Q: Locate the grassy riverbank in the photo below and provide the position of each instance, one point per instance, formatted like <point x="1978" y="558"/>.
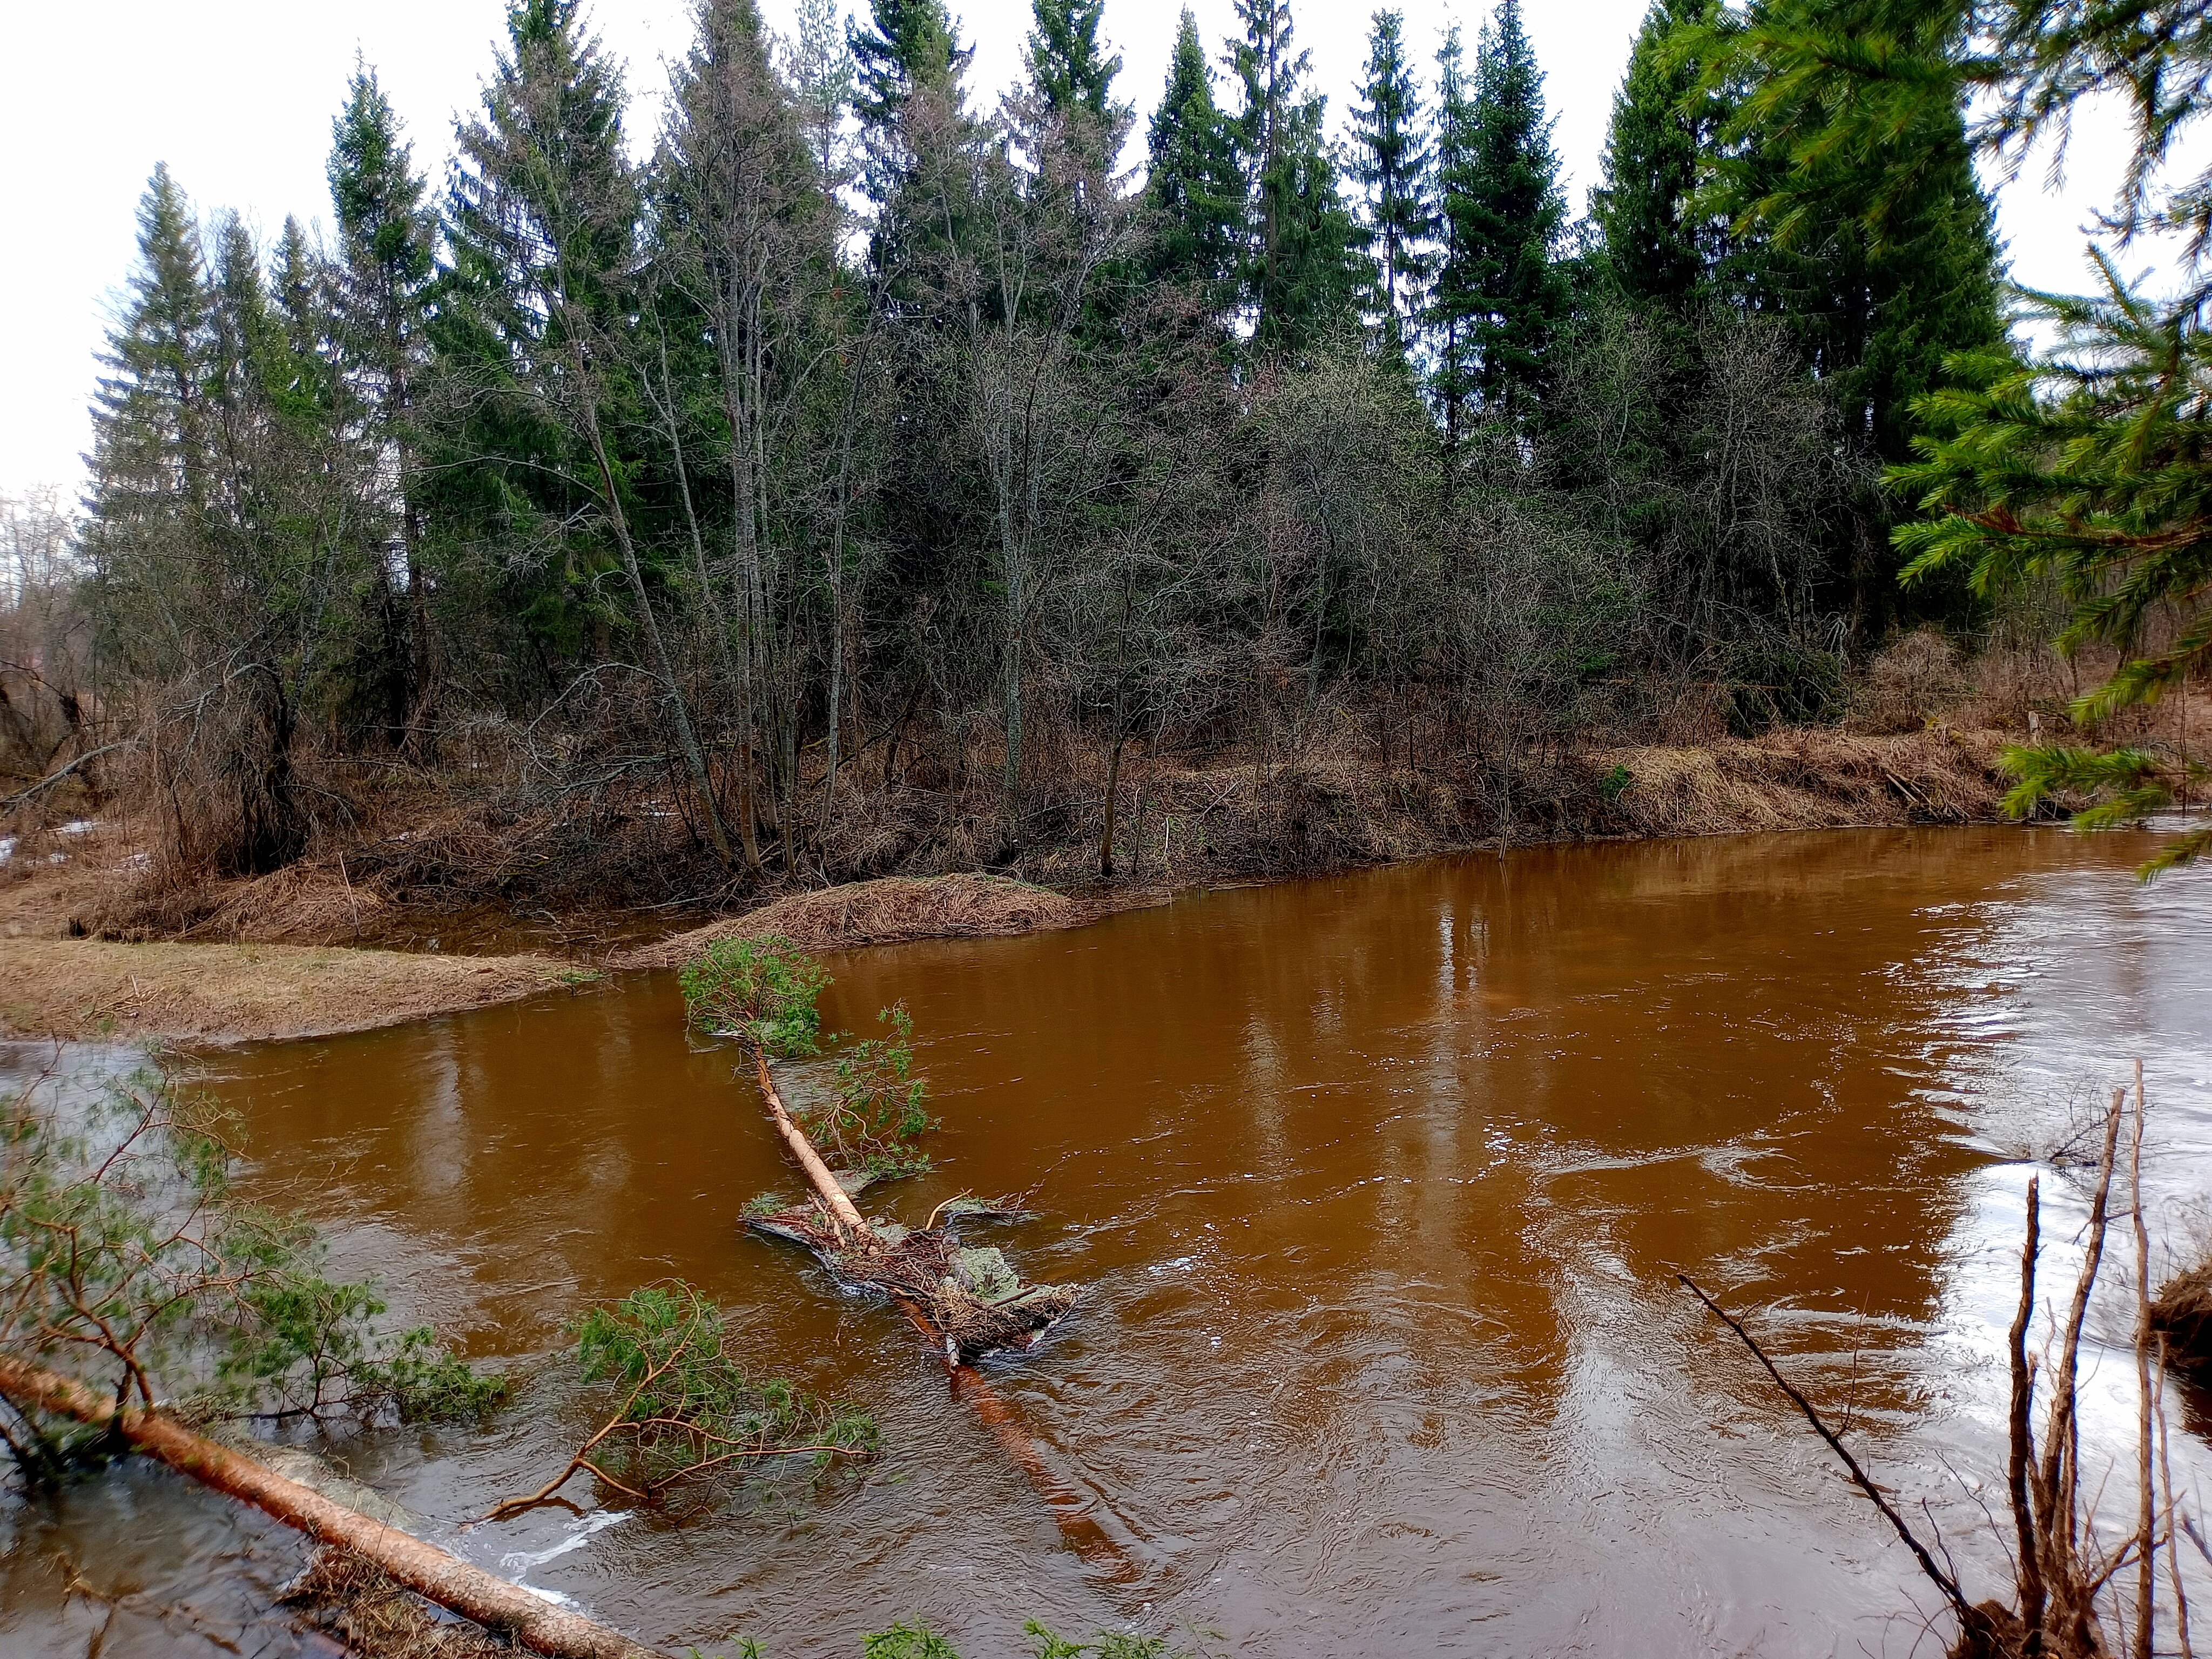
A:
<point x="92" y="943"/>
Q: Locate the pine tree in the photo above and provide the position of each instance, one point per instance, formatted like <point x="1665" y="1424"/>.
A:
<point x="1502" y="283"/>
<point x="1391" y="163"/>
<point x="1192" y="187"/>
<point x="387" y="241"/>
<point x="1660" y="242"/>
<point x="1299" y="274"/>
<point x="822" y="78"/>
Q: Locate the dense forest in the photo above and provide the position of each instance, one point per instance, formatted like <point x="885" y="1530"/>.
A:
<point x="862" y="480"/>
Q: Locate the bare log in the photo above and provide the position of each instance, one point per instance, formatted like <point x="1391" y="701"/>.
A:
<point x="834" y="1198"/>
<point x="530" y="1621"/>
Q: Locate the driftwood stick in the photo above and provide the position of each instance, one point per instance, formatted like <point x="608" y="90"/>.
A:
<point x="843" y="1211"/>
<point x="2020" y="1467"/>
<point x="1942" y="1580"/>
<point x="533" y="1623"/>
<point x="2147" y="1511"/>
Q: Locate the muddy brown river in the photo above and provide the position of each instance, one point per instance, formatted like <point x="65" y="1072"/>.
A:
<point x="1378" y="1185"/>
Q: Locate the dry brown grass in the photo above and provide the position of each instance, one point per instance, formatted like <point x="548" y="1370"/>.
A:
<point x="93" y="988"/>
<point x="1817" y="778"/>
<point x="880" y="912"/>
<point x="2182" y="1314"/>
<point x="354" y="1601"/>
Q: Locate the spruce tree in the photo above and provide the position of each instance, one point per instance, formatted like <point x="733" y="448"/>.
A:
<point x="1502" y="284"/>
<point x="149" y="417"/>
<point x="1660" y="242"/>
<point x="1391" y="161"/>
<point x="1876" y="239"/>
<point x="909" y="46"/>
<point x="387" y="239"/>
<point x="544" y="222"/>
<point x="1299" y="275"/>
<point x="1193" y="185"/>
<point x="1452" y="301"/>
<point x="1067" y="64"/>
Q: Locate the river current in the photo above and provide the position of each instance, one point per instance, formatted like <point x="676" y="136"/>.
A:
<point x="1377" y="1186"/>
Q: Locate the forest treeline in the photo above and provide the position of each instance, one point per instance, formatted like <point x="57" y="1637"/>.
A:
<point x="861" y="439"/>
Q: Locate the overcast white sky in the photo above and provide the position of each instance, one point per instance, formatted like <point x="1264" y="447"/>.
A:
<point x="237" y="96"/>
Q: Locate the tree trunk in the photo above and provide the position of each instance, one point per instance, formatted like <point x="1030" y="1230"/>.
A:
<point x="537" y="1624"/>
<point x="664" y="664"/>
<point x="1083" y="1534"/>
<point x="1112" y="800"/>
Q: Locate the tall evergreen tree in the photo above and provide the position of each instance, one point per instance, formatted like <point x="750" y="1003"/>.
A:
<point x="1391" y="160"/>
<point x="909" y="46"/>
<point x="747" y="253"/>
<point x="387" y="239"/>
<point x="543" y="216"/>
<point x="1193" y="185"/>
<point x="1502" y="283"/>
<point x="1299" y="275"/>
<point x="1067" y="64"/>
<point x="1660" y="242"/>
<point x="149" y="417"/>
<point x="1452" y="363"/>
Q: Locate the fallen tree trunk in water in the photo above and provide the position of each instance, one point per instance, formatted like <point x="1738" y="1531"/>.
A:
<point x="526" y="1618"/>
<point x="1085" y="1535"/>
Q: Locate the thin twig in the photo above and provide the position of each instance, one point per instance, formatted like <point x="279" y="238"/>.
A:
<point x="1941" y="1579"/>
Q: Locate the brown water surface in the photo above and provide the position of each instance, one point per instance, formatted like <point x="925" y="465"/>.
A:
<point x="1378" y="1184"/>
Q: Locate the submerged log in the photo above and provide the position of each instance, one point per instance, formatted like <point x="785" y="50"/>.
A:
<point x="525" y="1618"/>
<point x="1083" y="1535"/>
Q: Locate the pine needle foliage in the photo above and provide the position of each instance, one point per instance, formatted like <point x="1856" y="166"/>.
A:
<point x="762" y="990"/>
<point x="875" y="1113"/>
<point x="2092" y="463"/>
<point x="128" y="1263"/>
<point x="689" y="1408"/>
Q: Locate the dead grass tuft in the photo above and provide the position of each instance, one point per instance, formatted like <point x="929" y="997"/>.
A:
<point x="880" y="912"/>
<point x="2182" y="1312"/>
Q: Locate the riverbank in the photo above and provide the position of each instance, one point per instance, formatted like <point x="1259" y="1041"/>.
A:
<point x="98" y="990"/>
<point x="91" y="947"/>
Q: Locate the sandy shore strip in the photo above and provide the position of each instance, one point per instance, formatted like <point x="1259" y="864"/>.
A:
<point x="76" y="990"/>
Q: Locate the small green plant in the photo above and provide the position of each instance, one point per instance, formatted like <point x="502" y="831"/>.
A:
<point x="877" y="1112"/>
<point x="1615" y="782"/>
<point x="763" y="991"/>
<point x="905" y="1641"/>
<point x="1110" y="1644"/>
<point x="761" y="1204"/>
<point x="684" y="1407"/>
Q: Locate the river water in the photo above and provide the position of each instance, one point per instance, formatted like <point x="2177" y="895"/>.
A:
<point x="1378" y="1185"/>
